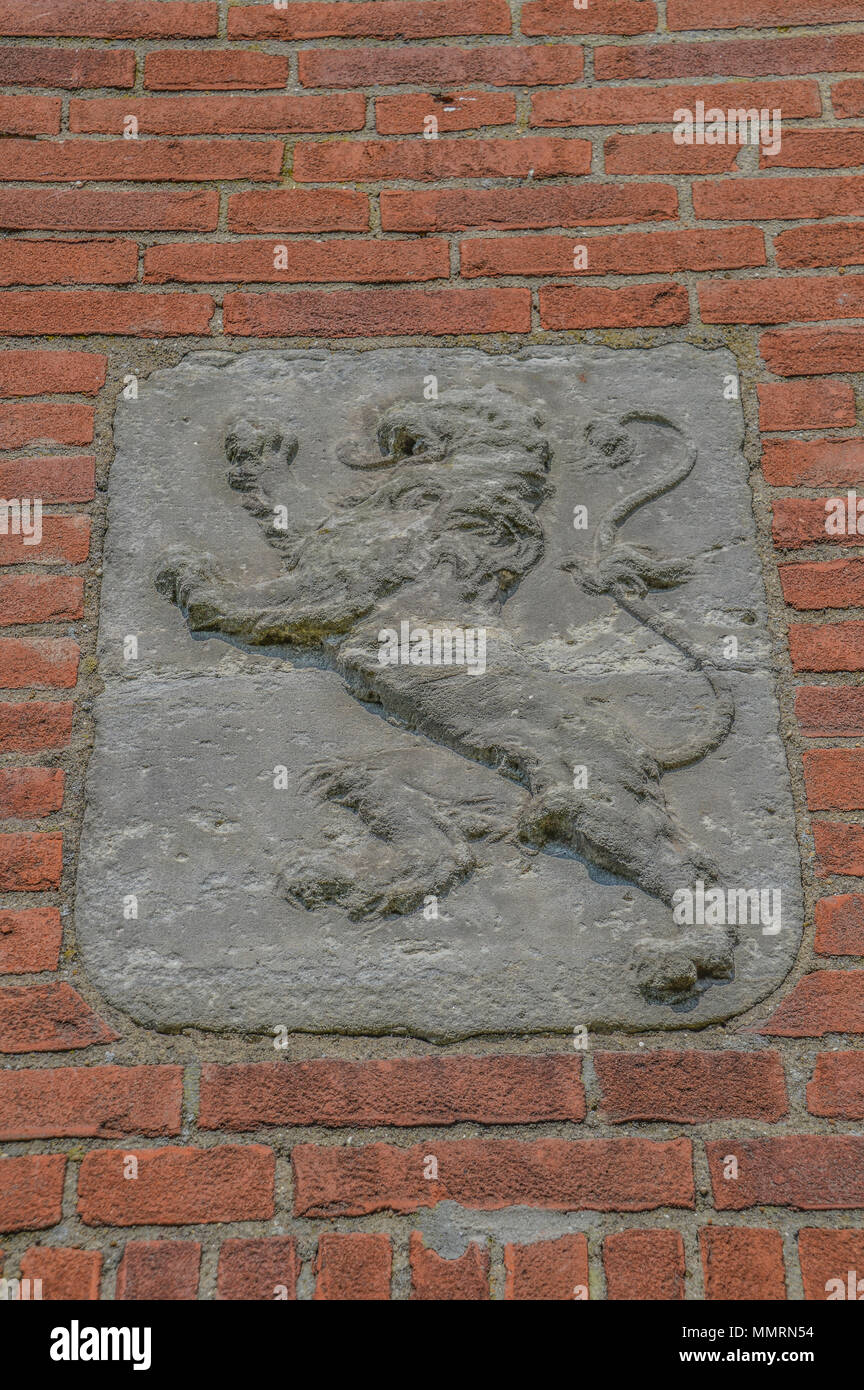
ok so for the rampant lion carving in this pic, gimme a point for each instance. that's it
(442, 531)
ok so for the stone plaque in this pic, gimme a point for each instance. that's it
(437, 698)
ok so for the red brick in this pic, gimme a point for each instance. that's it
(24, 372)
(73, 68)
(65, 540)
(189, 69)
(141, 315)
(69, 479)
(532, 65)
(145, 160)
(827, 1256)
(837, 1087)
(464, 1279)
(812, 462)
(759, 14)
(622, 253)
(29, 940)
(404, 115)
(801, 521)
(65, 1273)
(761, 199)
(840, 925)
(659, 154)
(34, 725)
(299, 210)
(48, 1018)
(654, 305)
(24, 115)
(453, 209)
(40, 598)
(815, 149)
(162, 1270)
(691, 1087)
(657, 105)
(409, 1091)
(827, 584)
(827, 647)
(383, 19)
(811, 1172)
(110, 19)
(838, 243)
(258, 1270)
(373, 313)
(31, 1192)
(26, 793)
(492, 1174)
(599, 17)
(834, 778)
(774, 57)
(811, 351)
(740, 1264)
(247, 263)
(176, 1186)
(43, 422)
(847, 98)
(762, 300)
(98, 1102)
(644, 1266)
(547, 1270)
(50, 262)
(219, 115)
(96, 210)
(368, 161)
(828, 1001)
(353, 1268)
(805, 405)
(839, 848)
(30, 863)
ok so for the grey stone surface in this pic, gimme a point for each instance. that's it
(302, 904)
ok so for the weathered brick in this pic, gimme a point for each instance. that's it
(68, 479)
(657, 105)
(102, 1102)
(65, 1273)
(742, 1264)
(805, 405)
(828, 1257)
(141, 315)
(837, 1087)
(51, 262)
(383, 19)
(30, 863)
(354, 1267)
(774, 57)
(463, 1279)
(29, 940)
(219, 115)
(828, 1001)
(691, 1087)
(31, 1192)
(839, 850)
(26, 115)
(645, 1266)
(827, 584)
(812, 351)
(45, 422)
(405, 115)
(592, 205)
(547, 1270)
(827, 646)
(761, 199)
(410, 1091)
(161, 1270)
(595, 306)
(621, 253)
(259, 1270)
(97, 210)
(39, 598)
(834, 778)
(763, 300)
(300, 262)
(812, 462)
(802, 521)
(359, 313)
(491, 1174)
(840, 925)
(815, 149)
(48, 1018)
(65, 540)
(810, 1172)
(838, 243)
(110, 19)
(25, 372)
(368, 161)
(176, 1186)
(149, 161)
(26, 793)
(190, 69)
(847, 98)
(532, 65)
(299, 210)
(659, 154)
(73, 68)
(759, 14)
(599, 17)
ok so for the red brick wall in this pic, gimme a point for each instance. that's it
(302, 126)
